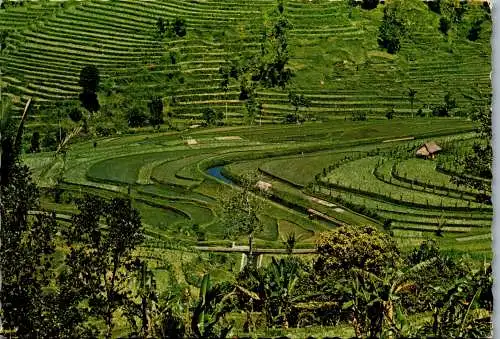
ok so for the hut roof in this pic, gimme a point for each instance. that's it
(432, 147)
(428, 148)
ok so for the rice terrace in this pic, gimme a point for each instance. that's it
(245, 169)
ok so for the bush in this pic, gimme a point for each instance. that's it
(444, 25)
(49, 142)
(475, 30)
(369, 4)
(179, 27)
(89, 101)
(390, 114)
(136, 117)
(359, 116)
(440, 111)
(75, 114)
(392, 30)
(104, 131)
(211, 116)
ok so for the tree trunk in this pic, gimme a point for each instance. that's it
(356, 326)
(250, 245)
(110, 295)
(145, 327)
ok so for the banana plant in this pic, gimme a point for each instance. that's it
(374, 300)
(464, 309)
(279, 290)
(211, 308)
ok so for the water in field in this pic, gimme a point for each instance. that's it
(216, 172)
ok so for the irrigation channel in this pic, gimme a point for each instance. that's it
(216, 172)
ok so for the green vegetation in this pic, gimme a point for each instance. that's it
(135, 134)
(135, 65)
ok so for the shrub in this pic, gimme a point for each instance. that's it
(89, 78)
(211, 116)
(136, 117)
(392, 30)
(444, 25)
(179, 27)
(474, 30)
(104, 131)
(369, 4)
(49, 141)
(359, 116)
(390, 114)
(35, 142)
(75, 114)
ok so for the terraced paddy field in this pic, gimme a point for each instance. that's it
(344, 171)
(334, 54)
(347, 158)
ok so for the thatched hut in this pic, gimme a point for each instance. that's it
(428, 150)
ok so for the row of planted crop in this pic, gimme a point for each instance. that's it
(385, 173)
(367, 184)
(409, 217)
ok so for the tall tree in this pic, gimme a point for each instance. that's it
(362, 247)
(269, 68)
(240, 210)
(3, 40)
(160, 26)
(156, 111)
(179, 27)
(392, 30)
(103, 257)
(477, 164)
(26, 242)
(298, 100)
(89, 78)
(89, 81)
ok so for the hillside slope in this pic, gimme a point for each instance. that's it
(337, 62)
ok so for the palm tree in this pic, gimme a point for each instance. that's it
(411, 94)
